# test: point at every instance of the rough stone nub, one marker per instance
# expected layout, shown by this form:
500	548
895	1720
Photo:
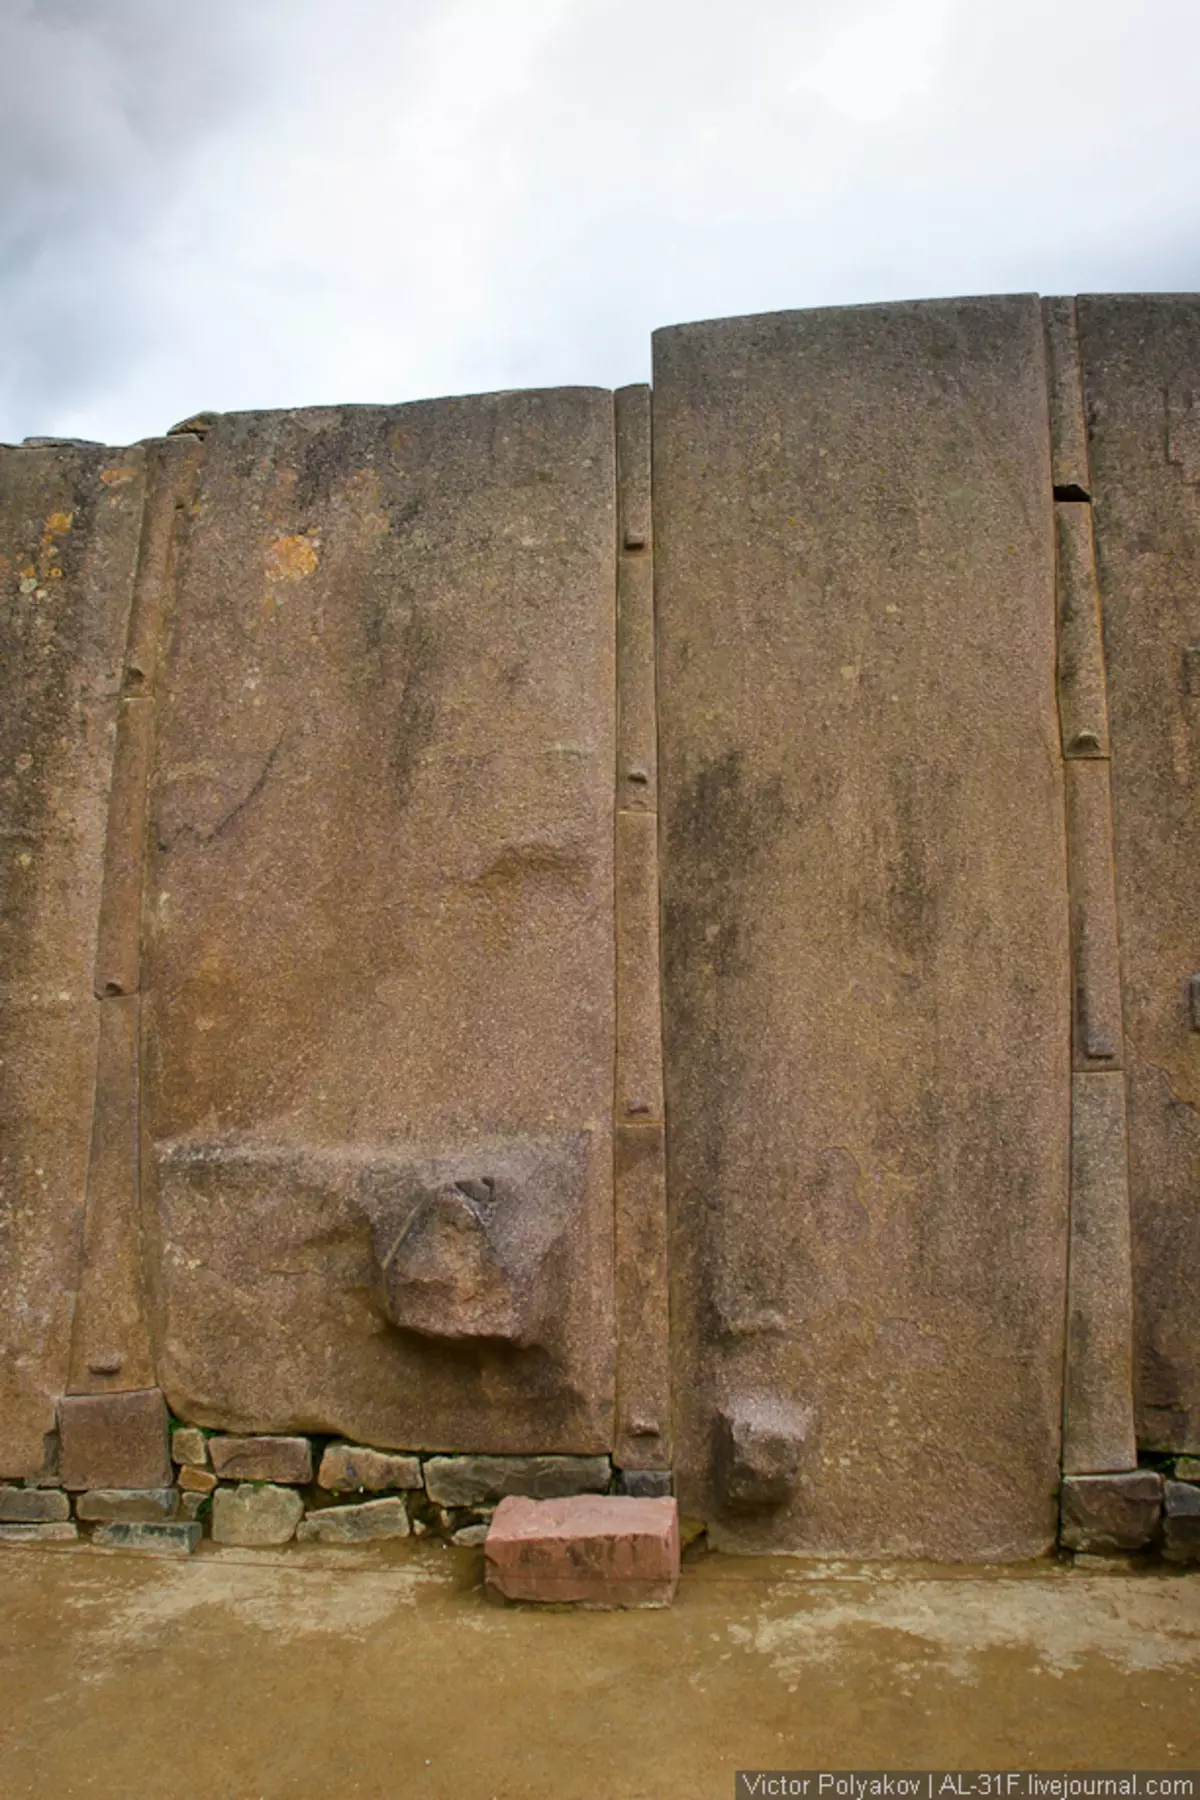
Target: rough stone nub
759	1444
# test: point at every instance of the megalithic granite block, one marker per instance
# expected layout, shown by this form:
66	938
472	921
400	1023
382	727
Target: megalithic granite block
596	1550
115	1440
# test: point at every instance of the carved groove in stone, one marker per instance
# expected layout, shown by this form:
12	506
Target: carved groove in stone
1082	691
1068	429
1098	1431
1097	1034
643	1428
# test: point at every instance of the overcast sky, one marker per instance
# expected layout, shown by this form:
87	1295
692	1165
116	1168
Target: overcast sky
241	203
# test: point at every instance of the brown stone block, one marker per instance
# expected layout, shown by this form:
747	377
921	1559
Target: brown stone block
866	967
639	1015
68	541
1082	690
643	1428
637	748
1098	1033
1141	361
1068	431
114	1440
110	1343
119	934
1111	1512
282	1459
1098	1430
379	907
594	1550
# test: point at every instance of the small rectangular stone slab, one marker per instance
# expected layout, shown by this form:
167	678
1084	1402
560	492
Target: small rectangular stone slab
175	1537
33	1506
1110	1512
114	1440
355	1524
598	1550
59	1531
1181	1524
255	1515
130	1505
196	1481
476	1480
644	1484
349	1468
286	1459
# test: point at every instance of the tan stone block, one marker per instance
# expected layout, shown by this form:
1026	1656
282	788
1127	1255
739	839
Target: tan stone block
1082	689
1141	361
865	955
251	1515
1111	1512
286	1459
189	1445
1098	1431
1098	1034
136	1505
643	1424
114	1440
379	913
196	1481
68	543
350	1467
33	1506
361	1524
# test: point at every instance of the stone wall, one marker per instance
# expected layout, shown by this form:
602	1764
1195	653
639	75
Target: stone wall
358	766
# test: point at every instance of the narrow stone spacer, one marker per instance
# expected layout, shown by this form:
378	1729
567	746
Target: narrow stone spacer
594	1550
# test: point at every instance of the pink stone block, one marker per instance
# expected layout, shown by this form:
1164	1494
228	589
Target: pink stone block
601	1550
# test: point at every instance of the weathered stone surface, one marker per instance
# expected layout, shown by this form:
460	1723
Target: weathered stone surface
33	1506
179	1537
1068	431
598	1550
475	1480
1141	360
639	1024
1082	690
189	1445
114	1440
759	1446
191	1505
644	1484
352	1466
643	1424
1097	1040
110	1342
1098	1434
136	1505
469	1536
865	924
255	1515
69	522
196	1481
355	1524
283	1459
379	906
1110	1512
58	1532
1181	1522
637	736
1187	1468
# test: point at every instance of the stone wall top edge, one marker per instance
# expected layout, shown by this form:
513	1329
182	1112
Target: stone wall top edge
930	304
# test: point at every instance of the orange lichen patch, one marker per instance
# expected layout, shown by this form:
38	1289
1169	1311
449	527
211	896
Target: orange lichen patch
291	558
112	477
57	523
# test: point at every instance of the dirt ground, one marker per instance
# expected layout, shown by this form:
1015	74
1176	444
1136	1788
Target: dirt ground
384	1672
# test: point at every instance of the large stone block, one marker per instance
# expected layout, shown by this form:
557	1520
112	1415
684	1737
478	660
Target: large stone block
114	1440
379	950
864	913
286	1459
69	523
33	1506
1141	363
350	1467
362	1524
128	1505
250	1515
1111	1512
594	1550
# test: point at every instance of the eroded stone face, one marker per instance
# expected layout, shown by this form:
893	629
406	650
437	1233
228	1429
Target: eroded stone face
378	957
1141	361
864	912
